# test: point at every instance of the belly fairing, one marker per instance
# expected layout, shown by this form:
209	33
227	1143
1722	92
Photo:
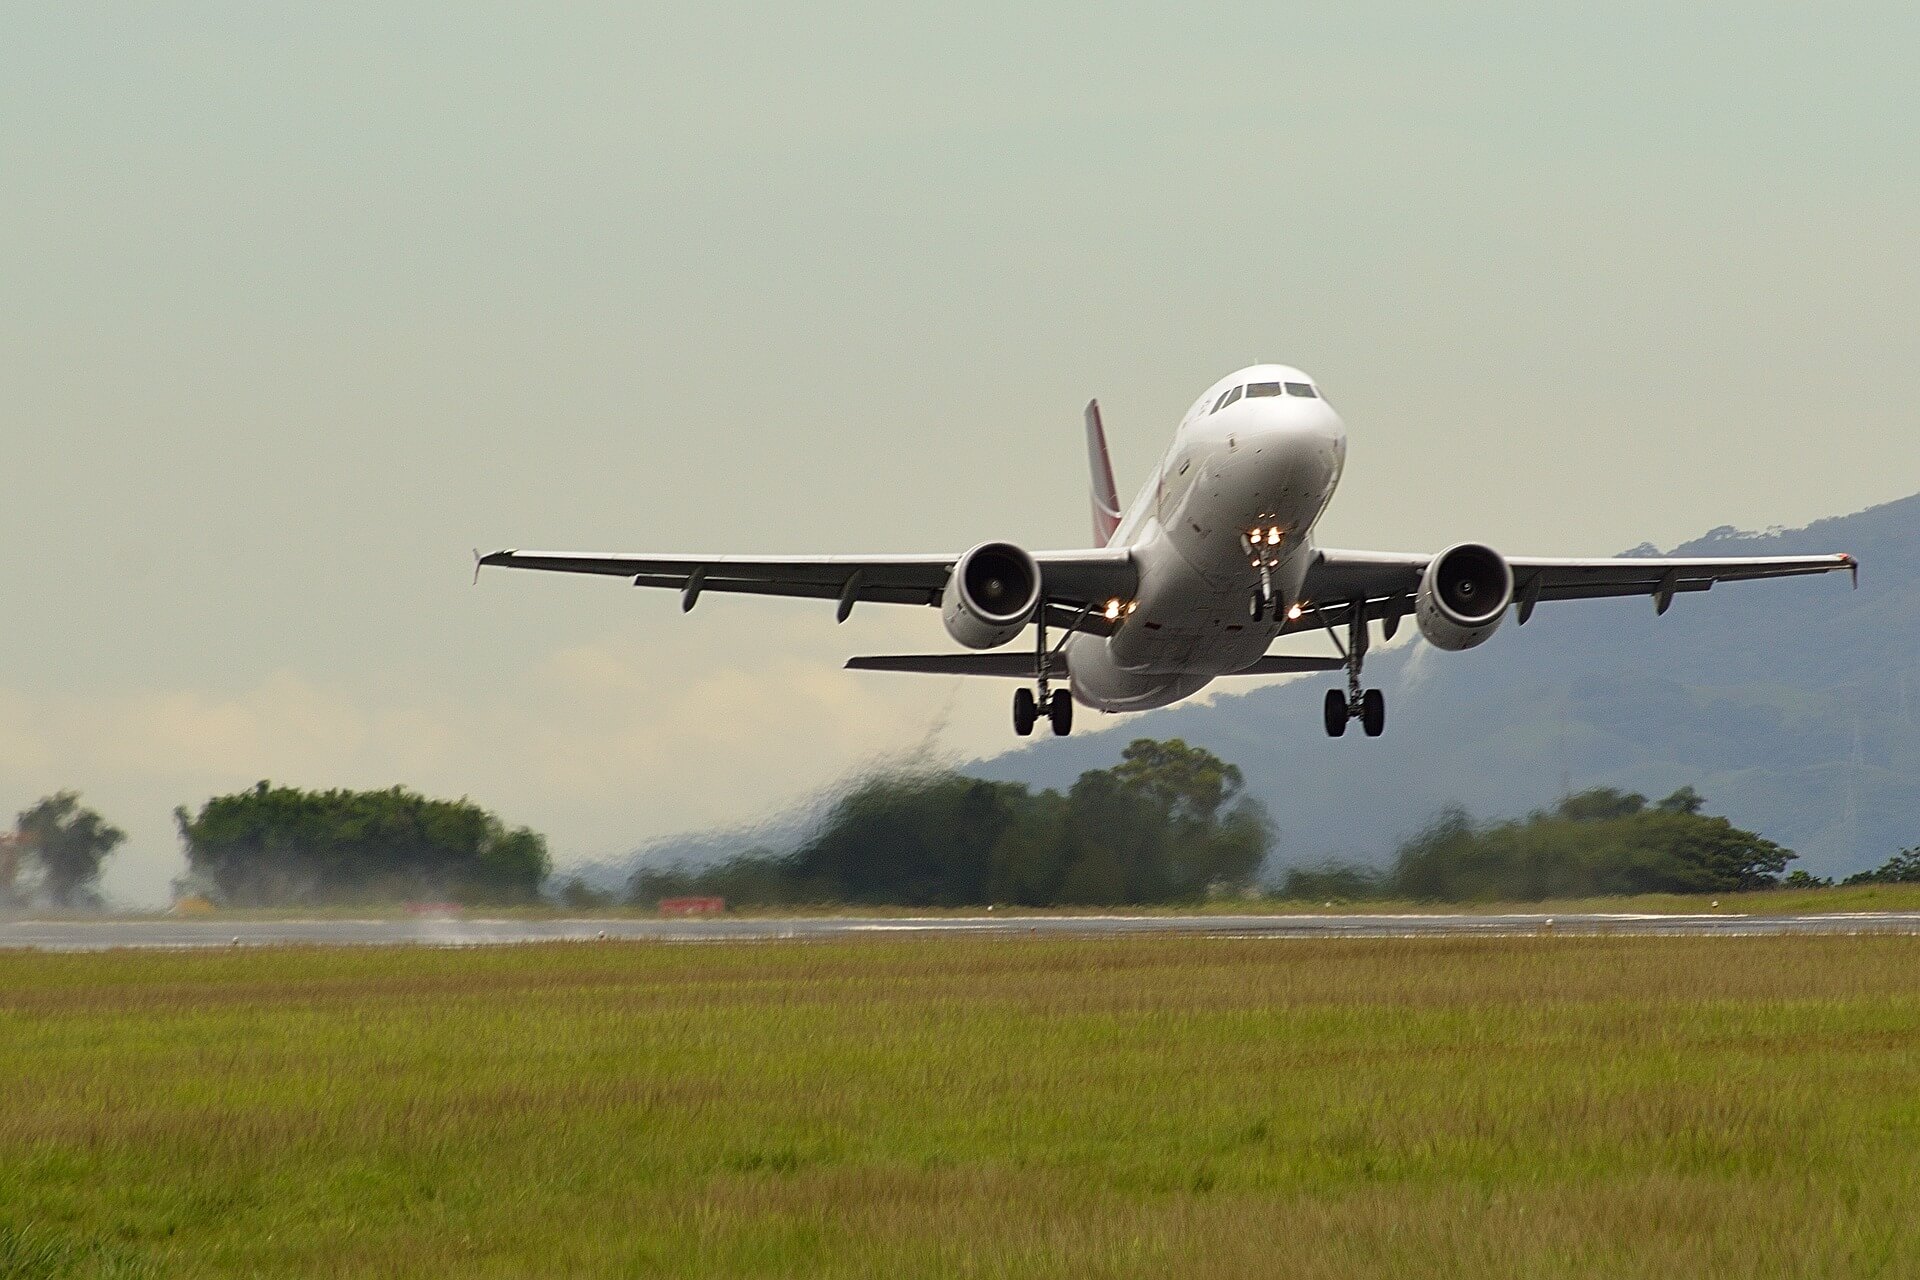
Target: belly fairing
1098	682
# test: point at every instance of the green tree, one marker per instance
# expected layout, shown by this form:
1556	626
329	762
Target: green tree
282	845
1215	836
913	839
1331	881
1190	783
1600	804
67	843
1596	842
1166	824
1902	868
576	894
1685	800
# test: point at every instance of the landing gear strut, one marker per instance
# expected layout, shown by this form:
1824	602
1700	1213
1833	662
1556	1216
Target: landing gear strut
1043	699
1368	706
1264	556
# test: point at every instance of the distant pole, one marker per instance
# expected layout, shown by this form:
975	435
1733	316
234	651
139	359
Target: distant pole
10	848
1566	772
1857	763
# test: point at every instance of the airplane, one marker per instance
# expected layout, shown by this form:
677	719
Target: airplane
1212	562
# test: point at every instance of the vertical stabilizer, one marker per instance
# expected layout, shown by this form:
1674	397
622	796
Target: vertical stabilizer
1106	498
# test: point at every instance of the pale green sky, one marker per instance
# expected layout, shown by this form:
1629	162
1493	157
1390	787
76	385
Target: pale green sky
297	306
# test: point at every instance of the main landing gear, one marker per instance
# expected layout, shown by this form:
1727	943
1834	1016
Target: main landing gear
1043	699
1368	706
1026	711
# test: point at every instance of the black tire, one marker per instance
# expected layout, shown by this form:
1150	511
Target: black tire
1256	608
1025	712
1373	712
1336	713
1061	713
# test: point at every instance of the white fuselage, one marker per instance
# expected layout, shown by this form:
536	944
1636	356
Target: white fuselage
1267	463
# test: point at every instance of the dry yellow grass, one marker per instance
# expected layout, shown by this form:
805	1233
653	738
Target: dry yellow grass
969	1107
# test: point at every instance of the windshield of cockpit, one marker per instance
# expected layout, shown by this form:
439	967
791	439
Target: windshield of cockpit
1255	390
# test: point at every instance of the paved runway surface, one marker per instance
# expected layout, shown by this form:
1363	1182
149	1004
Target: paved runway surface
104	934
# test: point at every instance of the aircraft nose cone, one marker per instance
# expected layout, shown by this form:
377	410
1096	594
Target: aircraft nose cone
1296	416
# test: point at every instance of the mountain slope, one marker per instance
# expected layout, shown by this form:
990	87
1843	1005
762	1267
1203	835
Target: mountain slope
1793	706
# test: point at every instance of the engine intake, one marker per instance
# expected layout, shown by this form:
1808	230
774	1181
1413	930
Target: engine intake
991	596
1463	596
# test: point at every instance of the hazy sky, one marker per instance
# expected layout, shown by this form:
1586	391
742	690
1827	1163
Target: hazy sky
297	306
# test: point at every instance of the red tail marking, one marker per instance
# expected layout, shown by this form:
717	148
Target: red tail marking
1106	498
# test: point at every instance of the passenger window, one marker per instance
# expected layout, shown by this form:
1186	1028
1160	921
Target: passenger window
1302	389
1262	389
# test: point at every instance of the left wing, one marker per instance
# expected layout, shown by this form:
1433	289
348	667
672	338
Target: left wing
1384	583
1077	583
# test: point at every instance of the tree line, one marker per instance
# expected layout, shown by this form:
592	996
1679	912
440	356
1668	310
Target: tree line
1169	823
283	846
1596	843
273	846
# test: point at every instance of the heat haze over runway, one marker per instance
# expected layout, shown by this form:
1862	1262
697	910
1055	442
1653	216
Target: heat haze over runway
98	935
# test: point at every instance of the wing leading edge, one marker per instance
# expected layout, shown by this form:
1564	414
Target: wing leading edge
1077	582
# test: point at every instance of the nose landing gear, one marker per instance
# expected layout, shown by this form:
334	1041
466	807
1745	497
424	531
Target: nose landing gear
1368	706
1263	549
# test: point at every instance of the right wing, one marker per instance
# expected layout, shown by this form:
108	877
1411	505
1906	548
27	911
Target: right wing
1077	583
1383	584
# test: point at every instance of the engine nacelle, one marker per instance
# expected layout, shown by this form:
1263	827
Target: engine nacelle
992	595
1463	596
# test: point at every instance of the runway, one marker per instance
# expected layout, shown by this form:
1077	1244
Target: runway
163	934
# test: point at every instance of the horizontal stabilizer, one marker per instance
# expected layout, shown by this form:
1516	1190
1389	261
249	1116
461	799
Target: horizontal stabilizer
1280	664
1021	666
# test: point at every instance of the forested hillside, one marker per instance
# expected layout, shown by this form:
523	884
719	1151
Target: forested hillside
1791	705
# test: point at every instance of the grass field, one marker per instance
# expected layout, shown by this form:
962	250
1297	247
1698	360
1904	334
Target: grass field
968	1107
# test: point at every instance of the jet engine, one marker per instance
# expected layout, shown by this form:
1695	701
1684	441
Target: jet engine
1463	595
992	595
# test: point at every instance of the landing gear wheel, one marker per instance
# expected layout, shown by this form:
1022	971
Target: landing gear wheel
1336	713
1025	712
1256	608
1373	712
1060	712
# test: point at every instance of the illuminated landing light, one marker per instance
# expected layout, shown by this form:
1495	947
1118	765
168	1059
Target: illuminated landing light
1113	610
1273	537
1293	612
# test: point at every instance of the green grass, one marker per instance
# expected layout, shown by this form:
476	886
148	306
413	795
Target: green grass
968	1107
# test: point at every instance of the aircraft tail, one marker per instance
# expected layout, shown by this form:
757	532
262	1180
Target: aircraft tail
1106	498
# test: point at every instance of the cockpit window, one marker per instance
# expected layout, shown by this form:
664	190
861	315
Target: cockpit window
1228	398
1262	389
1302	389
1221	403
